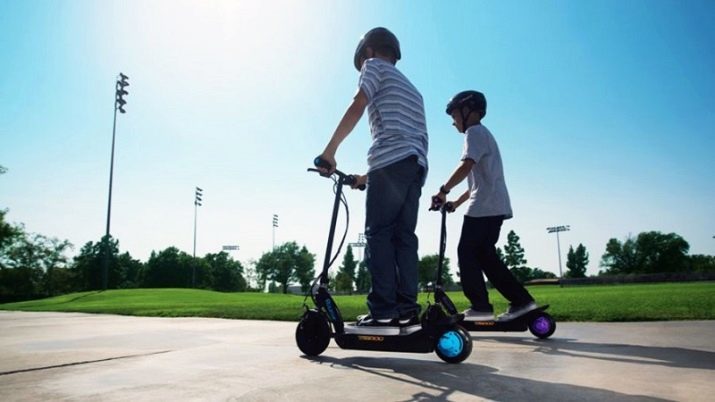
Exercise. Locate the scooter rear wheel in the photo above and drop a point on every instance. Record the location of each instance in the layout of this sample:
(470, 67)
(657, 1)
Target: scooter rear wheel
(313, 333)
(453, 345)
(542, 325)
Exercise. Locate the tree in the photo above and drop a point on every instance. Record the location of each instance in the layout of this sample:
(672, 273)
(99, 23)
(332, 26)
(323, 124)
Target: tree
(346, 275)
(576, 262)
(513, 252)
(526, 274)
(536, 273)
(52, 258)
(172, 268)
(88, 264)
(363, 282)
(500, 255)
(123, 271)
(702, 263)
(620, 258)
(130, 271)
(305, 269)
(522, 274)
(21, 273)
(427, 271)
(224, 274)
(8, 233)
(650, 252)
(661, 252)
(286, 263)
(29, 262)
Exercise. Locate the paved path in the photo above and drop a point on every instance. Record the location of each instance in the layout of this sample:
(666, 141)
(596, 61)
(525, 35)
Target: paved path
(68, 356)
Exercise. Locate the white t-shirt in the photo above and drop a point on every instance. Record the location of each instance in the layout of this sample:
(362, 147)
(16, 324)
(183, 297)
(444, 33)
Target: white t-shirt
(488, 195)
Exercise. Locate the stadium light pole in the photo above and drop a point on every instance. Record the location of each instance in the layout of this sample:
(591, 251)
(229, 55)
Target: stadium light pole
(557, 230)
(359, 244)
(275, 225)
(198, 194)
(119, 102)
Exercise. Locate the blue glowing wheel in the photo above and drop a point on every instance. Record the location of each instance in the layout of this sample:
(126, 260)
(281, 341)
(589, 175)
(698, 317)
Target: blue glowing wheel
(454, 345)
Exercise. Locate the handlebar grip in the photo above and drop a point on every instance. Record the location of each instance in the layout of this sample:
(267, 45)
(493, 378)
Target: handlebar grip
(436, 204)
(449, 206)
(321, 163)
(350, 181)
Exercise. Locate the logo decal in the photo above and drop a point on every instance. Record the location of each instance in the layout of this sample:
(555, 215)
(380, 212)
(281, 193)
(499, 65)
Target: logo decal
(371, 338)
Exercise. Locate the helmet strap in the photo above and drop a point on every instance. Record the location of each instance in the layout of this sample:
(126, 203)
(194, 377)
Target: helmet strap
(465, 116)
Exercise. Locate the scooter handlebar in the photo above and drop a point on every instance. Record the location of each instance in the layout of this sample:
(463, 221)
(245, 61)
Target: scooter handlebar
(438, 206)
(348, 179)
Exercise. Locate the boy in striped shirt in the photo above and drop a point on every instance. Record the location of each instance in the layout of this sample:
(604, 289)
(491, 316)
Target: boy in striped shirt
(397, 167)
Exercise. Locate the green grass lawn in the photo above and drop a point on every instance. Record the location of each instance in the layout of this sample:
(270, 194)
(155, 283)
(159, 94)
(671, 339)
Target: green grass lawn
(639, 302)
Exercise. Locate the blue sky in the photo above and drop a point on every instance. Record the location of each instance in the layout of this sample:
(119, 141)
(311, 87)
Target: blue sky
(603, 111)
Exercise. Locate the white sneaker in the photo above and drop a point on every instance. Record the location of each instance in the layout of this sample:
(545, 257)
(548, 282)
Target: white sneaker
(515, 312)
(474, 315)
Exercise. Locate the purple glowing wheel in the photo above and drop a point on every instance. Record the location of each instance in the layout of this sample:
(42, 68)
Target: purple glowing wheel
(542, 326)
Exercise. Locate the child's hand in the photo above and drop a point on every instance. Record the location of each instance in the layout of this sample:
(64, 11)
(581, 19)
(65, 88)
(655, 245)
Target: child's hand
(450, 207)
(330, 159)
(360, 180)
(437, 201)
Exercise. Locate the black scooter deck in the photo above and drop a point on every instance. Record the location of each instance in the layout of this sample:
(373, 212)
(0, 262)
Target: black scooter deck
(417, 342)
(518, 324)
(420, 341)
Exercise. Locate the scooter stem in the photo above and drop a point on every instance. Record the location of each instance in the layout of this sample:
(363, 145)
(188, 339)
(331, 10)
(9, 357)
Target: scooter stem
(331, 234)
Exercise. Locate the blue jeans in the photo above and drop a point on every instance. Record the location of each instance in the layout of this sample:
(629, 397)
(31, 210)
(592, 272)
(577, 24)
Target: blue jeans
(392, 204)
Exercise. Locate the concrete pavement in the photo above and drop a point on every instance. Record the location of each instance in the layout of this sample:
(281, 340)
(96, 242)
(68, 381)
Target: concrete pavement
(71, 356)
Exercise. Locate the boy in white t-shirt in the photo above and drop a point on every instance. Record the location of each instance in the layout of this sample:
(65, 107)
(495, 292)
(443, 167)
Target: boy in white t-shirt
(488, 207)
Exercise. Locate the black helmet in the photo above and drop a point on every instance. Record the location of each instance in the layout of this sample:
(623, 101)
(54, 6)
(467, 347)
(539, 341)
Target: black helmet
(473, 100)
(376, 38)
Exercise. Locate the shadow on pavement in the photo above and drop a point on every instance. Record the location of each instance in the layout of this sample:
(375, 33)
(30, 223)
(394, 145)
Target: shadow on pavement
(440, 381)
(654, 355)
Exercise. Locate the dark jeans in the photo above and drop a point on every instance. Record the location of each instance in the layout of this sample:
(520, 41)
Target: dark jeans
(478, 255)
(393, 195)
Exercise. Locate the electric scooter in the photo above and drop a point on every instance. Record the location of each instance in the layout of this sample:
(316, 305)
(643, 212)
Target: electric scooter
(537, 321)
(437, 331)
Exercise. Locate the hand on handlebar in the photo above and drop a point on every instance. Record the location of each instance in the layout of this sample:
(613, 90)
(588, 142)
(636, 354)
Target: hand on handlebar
(439, 201)
(325, 169)
(326, 164)
(360, 182)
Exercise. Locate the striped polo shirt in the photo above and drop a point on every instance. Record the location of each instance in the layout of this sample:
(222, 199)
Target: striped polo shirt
(396, 114)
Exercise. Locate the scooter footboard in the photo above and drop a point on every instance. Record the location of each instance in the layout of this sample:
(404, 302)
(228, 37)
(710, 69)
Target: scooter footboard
(417, 342)
(506, 326)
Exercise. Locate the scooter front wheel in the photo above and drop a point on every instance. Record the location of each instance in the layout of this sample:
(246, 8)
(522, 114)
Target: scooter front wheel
(313, 333)
(542, 326)
(454, 344)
